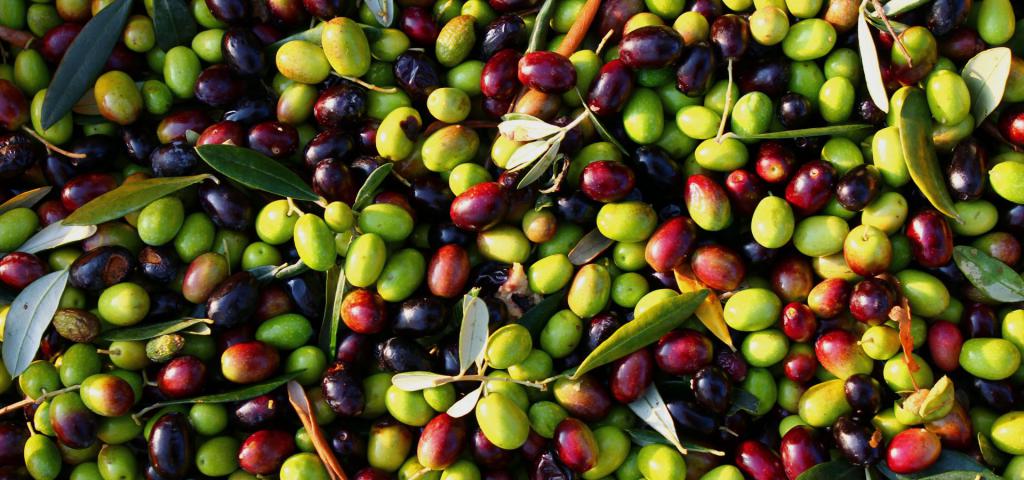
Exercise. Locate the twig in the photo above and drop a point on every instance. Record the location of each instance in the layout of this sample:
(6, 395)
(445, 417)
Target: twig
(50, 146)
(300, 402)
(18, 38)
(604, 40)
(728, 105)
(579, 28)
(42, 398)
(367, 85)
(896, 38)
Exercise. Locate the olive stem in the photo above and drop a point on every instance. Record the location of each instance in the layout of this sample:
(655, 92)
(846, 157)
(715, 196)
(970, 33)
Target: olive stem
(896, 38)
(50, 146)
(292, 208)
(18, 38)
(42, 398)
(728, 105)
(367, 85)
(485, 379)
(604, 41)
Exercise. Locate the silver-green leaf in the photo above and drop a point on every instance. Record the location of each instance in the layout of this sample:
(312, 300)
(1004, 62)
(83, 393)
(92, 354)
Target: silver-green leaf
(416, 381)
(653, 411)
(30, 314)
(870, 64)
(55, 235)
(25, 199)
(986, 76)
(465, 404)
(473, 332)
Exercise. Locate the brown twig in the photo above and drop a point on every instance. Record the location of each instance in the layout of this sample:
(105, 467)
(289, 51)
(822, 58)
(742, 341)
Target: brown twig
(50, 146)
(896, 38)
(18, 38)
(300, 402)
(42, 398)
(579, 28)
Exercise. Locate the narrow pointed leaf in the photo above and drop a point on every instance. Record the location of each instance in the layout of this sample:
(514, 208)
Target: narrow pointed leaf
(986, 75)
(254, 390)
(591, 246)
(255, 170)
(173, 23)
(332, 315)
(744, 401)
(465, 404)
(642, 331)
(599, 127)
(473, 332)
(834, 470)
(644, 437)
(383, 11)
(146, 332)
(519, 116)
(416, 381)
(369, 189)
(951, 465)
(28, 317)
(840, 130)
(896, 7)
(541, 25)
(128, 198)
(527, 130)
(25, 199)
(993, 277)
(84, 60)
(652, 410)
(540, 167)
(537, 317)
(915, 128)
(527, 154)
(709, 312)
(869, 63)
(311, 35)
(55, 235)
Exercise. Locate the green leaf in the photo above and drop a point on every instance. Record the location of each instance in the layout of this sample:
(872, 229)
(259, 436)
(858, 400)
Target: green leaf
(986, 75)
(541, 25)
(84, 60)
(128, 198)
(536, 317)
(254, 390)
(541, 166)
(989, 453)
(266, 273)
(651, 408)
(146, 332)
(311, 35)
(745, 401)
(30, 314)
(644, 438)
(332, 316)
(834, 470)
(993, 277)
(599, 127)
(173, 23)
(255, 170)
(642, 331)
(591, 246)
(870, 64)
(951, 465)
(366, 193)
(472, 332)
(383, 11)
(840, 130)
(896, 7)
(25, 199)
(55, 235)
(915, 127)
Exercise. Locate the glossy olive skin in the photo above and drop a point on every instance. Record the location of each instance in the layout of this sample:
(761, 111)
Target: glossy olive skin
(696, 70)
(343, 391)
(670, 244)
(931, 239)
(855, 442)
(441, 442)
(417, 74)
(480, 207)
(19, 269)
(654, 46)
(249, 362)
(101, 268)
(170, 445)
(499, 78)
(547, 72)
(810, 187)
(966, 172)
(264, 451)
(340, 105)
(612, 87)
(800, 450)
(858, 188)
(17, 153)
(631, 375)
(233, 301)
(227, 206)
(758, 461)
(182, 377)
(506, 31)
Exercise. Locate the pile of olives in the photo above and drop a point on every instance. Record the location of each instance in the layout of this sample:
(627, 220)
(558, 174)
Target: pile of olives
(572, 165)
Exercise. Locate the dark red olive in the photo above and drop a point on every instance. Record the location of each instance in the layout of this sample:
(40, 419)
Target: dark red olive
(683, 352)
(289, 12)
(227, 206)
(792, 278)
(863, 393)
(505, 6)
(731, 36)
(506, 31)
(744, 190)
(260, 411)
(912, 450)
(670, 244)
(12, 444)
(575, 445)
(799, 322)
(243, 51)
(57, 40)
(499, 78)
(858, 443)
(606, 181)
(83, 188)
(51, 211)
(325, 9)
(800, 364)
(961, 44)
(758, 461)
(795, 111)
(829, 298)
(710, 9)
(170, 445)
(612, 87)
(653, 46)
(696, 70)
(174, 126)
(229, 11)
(979, 321)
(547, 72)
(489, 456)
(586, 398)
(19, 269)
(176, 159)
(931, 239)
(954, 430)
(870, 301)
(341, 105)
(101, 267)
(631, 375)
(328, 144)
(263, 452)
(343, 390)
(858, 187)
(441, 442)
(811, 187)
(364, 311)
(967, 171)
(218, 86)
(123, 59)
(800, 451)
(601, 327)
(419, 25)
(614, 14)
(417, 74)
(182, 377)
(448, 271)
(234, 300)
(775, 162)
(480, 207)
(274, 139)
(249, 362)
(718, 267)
(14, 107)
(225, 132)
(18, 152)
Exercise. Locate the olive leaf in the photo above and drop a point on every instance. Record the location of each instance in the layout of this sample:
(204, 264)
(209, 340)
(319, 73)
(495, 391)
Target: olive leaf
(951, 465)
(527, 154)
(744, 401)
(915, 129)
(537, 317)
(591, 246)
(870, 64)
(644, 330)
(383, 11)
(993, 277)
(55, 235)
(840, 130)
(652, 410)
(834, 470)
(245, 393)
(465, 404)
(173, 23)
(709, 312)
(29, 315)
(986, 75)
(192, 136)
(266, 273)
(83, 61)
(527, 130)
(416, 381)
(473, 332)
(599, 127)
(307, 416)
(147, 332)
(25, 199)
(129, 197)
(373, 181)
(311, 35)
(255, 170)
(540, 167)
(645, 437)
(989, 453)
(336, 285)
(541, 25)
(896, 7)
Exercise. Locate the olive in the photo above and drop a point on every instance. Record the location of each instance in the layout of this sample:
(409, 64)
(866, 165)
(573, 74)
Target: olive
(170, 445)
(264, 451)
(654, 46)
(251, 110)
(175, 159)
(858, 187)
(419, 25)
(223, 132)
(399, 354)
(506, 31)
(547, 72)
(340, 105)
(233, 301)
(856, 442)
(343, 391)
(160, 264)
(417, 74)
(966, 172)
(696, 70)
(731, 36)
(243, 51)
(330, 143)
(612, 87)
(101, 267)
(218, 86)
(227, 206)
